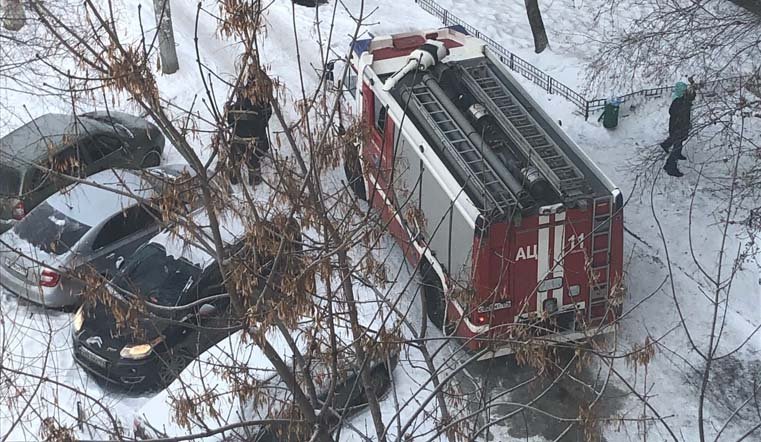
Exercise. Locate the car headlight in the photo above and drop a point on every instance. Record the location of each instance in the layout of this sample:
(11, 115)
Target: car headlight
(139, 351)
(79, 319)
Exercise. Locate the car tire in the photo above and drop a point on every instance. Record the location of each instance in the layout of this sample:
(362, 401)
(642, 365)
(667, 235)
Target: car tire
(351, 394)
(434, 295)
(381, 380)
(353, 171)
(151, 159)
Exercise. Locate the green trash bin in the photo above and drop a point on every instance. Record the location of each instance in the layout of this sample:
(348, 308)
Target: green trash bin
(609, 115)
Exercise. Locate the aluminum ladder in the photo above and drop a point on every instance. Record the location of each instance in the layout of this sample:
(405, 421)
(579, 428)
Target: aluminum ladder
(601, 234)
(496, 193)
(536, 145)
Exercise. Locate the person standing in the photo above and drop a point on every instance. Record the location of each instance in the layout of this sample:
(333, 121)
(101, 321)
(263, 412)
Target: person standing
(679, 126)
(248, 116)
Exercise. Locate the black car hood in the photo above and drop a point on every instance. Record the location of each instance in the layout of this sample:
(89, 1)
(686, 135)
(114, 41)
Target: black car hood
(105, 335)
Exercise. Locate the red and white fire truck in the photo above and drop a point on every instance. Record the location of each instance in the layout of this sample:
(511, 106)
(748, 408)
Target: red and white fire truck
(509, 220)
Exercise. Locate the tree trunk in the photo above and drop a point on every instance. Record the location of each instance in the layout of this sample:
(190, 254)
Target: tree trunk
(537, 25)
(13, 14)
(169, 63)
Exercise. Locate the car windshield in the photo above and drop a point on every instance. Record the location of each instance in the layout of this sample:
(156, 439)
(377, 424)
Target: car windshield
(156, 277)
(50, 230)
(10, 181)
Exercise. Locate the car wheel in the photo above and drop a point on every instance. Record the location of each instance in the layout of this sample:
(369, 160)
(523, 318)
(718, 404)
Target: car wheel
(353, 170)
(434, 295)
(171, 365)
(151, 159)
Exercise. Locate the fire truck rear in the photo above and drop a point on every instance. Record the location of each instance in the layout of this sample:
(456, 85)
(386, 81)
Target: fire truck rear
(517, 233)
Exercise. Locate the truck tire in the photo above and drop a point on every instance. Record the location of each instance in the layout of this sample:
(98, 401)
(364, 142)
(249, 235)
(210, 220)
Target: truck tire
(353, 170)
(434, 296)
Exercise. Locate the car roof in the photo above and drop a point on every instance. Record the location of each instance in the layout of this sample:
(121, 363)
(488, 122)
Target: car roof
(49, 133)
(180, 243)
(93, 203)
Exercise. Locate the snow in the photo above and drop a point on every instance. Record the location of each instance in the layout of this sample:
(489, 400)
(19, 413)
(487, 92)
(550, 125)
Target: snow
(57, 221)
(38, 341)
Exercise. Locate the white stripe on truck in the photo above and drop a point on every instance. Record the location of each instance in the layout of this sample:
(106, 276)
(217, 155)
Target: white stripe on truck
(542, 264)
(557, 261)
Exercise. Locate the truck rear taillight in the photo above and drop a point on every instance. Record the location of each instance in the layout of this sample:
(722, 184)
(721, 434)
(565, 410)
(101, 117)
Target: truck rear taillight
(49, 278)
(481, 319)
(18, 210)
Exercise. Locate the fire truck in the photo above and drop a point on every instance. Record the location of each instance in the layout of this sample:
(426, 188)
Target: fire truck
(511, 224)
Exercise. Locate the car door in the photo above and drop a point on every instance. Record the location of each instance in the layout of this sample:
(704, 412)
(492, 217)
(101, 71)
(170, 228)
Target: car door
(103, 152)
(38, 186)
(184, 333)
(210, 315)
(120, 236)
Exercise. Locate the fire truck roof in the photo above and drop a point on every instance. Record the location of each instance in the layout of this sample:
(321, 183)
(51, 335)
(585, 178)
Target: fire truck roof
(495, 140)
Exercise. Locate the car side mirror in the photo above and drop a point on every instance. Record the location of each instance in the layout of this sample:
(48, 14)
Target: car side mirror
(207, 310)
(119, 263)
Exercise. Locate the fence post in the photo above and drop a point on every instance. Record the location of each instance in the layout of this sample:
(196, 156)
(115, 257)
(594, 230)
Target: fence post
(512, 61)
(586, 110)
(446, 13)
(549, 87)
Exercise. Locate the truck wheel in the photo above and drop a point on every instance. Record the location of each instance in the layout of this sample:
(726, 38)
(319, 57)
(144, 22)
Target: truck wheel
(353, 170)
(434, 296)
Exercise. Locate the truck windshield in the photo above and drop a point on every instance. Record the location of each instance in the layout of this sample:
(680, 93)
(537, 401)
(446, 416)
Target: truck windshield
(50, 230)
(157, 277)
(10, 182)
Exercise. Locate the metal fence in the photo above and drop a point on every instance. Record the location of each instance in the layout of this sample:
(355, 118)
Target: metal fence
(709, 88)
(512, 61)
(553, 86)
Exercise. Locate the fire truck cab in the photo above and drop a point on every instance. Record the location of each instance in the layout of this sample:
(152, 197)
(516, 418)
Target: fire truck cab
(515, 230)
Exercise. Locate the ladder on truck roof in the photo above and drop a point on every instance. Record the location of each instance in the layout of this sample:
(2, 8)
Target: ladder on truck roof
(601, 234)
(536, 145)
(465, 153)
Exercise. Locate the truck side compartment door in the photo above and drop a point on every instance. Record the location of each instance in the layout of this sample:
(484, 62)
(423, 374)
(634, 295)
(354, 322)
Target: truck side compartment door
(379, 147)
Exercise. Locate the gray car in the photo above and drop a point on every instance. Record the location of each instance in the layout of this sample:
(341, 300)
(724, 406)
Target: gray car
(81, 226)
(73, 145)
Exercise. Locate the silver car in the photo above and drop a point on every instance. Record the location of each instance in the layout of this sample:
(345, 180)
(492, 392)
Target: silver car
(81, 226)
(81, 145)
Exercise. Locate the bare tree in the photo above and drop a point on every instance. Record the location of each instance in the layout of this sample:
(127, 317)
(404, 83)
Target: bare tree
(167, 50)
(537, 25)
(661, 41)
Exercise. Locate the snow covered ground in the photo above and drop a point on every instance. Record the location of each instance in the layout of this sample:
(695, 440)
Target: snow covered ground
(41, 340)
